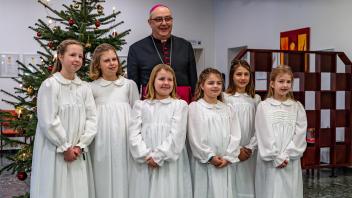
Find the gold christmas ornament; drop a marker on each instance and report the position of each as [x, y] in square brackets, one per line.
[100, 9]
[76, 6]
[30, 90]
[88, 45]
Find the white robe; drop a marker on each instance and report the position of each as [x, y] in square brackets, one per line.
[66, 118]
[281, 134]
[114, 101]
[158, 130]
[213, 130]
[245, 107]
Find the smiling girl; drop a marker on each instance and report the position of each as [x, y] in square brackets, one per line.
[281, 125]
[214, 135]
[157, 134]
[114, 97]
[240, 95]
[66, 126]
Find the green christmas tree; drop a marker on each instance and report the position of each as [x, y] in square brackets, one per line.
[83, 20]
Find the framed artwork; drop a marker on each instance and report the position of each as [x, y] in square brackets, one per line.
[295, 40]
[32, 59]
[8, 65]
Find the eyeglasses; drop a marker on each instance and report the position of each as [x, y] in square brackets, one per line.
[167, 19]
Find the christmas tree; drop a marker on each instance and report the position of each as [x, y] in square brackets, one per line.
[83, 20]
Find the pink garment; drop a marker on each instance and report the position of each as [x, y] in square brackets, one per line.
[156, 6]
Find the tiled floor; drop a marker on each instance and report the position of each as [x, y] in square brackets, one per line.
[9, 184]
[324, 187]
[327, 186]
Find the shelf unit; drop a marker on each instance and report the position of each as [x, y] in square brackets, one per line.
[319, 91]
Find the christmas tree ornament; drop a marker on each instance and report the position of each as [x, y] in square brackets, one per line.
[88, 45]
[50, 44]
[56, 28]
[30, 90]
[76, 6]
[39, 34]
[71, 21]
[22, 175]
[50, 68]
[22, 157]
[97, 23]
[114, 34]
[100, 9]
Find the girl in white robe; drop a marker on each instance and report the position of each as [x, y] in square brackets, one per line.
[240, 95]
[280, 125]
[214, 135]
[61, 165]
[114, 96]
[157, 134]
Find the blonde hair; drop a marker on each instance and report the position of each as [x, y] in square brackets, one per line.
[275, 72]
[199, 93]
[150, 86]
[61, 49]
[94, 68]
[232, 88]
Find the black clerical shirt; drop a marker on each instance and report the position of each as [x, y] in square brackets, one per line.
[142, 57]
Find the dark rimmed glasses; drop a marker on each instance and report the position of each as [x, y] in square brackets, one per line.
[167, 19]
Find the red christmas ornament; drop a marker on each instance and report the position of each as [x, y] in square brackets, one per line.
[50, 44]
[114, 34]
[97, 23]
[50, 68]
[39, 34]
[71, 22]
[22, 175]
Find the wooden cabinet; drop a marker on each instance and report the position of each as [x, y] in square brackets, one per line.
[324, 88]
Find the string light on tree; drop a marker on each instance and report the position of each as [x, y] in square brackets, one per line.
[19, 111]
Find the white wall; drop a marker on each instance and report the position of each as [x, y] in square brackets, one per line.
[219, 24]
[258, 23]
[193, 20]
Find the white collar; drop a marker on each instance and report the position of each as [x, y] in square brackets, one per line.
[218, 105]
[119, 82]
[240, 94]
[59, 77]
[163, 101]
[274, 102]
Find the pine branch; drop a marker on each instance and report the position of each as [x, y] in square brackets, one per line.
[43, 45]
[55, 19]
[7, 167]
[17, 80]
[104, 31]
[12, 141]
[10, 94]
[110, 16]
[60, 14]
[9, 102]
